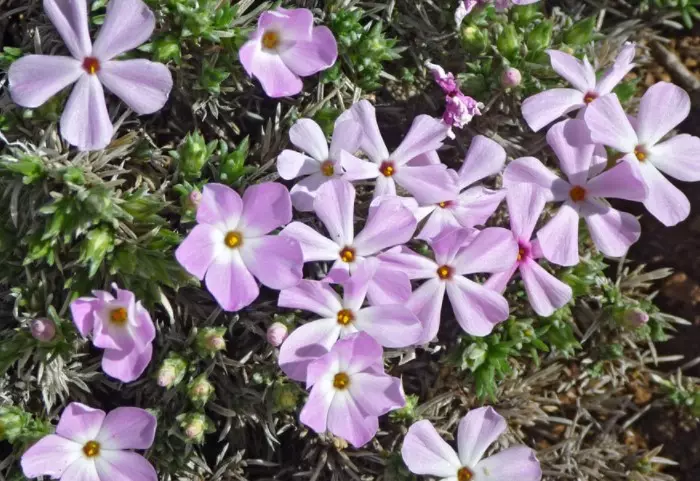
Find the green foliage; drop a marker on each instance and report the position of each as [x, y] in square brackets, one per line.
[688, 10]
[20, 427]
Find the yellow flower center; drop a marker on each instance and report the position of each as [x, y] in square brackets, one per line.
[444, 272]
[118, 316]
[444, 204]
[345, 317]
[589, 97]
[233, 239]
[91, 65]
[464, 474]
[347, 254]
[577, 193]
[521, 254]
[327, 168]
[271, 39]
[341, 381]
[387, 168]
[640, 153]
[91, 449]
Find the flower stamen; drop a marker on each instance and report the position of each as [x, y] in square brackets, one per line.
[233, 239]
[345, 317]
[271, 39]
[444, 272]
[465, 474]
[347, 254]
[341, 381]
[387, 168]
[577, 193]
[118, 316]
[589, 97]
[640, 153]
[91, 65]
[445, 204]
[327, 168]
[91, 449]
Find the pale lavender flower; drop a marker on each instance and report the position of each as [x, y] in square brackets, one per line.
[143, 85]
[391, 325]
[90, 445]
[426, 182]
[458, 253]
[319, 163]
[121, 326]
[545, 292]
[426, 453]
[230, 246]
[43, 329]
[584, 164]
[285, 47]
[546, 107]
[349, 390]
[661, 109]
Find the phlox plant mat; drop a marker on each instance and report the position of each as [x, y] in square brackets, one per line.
[338, 240]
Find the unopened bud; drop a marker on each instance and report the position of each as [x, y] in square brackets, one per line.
[511, 77]
[277, 333]
[194, 198]
[286, 397]
[43, 329]
[171, 371]
[194, 426]
[508, 42]
[200, 390]
[210, 340]
[635, 317]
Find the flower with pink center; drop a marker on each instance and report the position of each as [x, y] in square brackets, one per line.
[545, 292]
[459, 108]
[230, 247]
[391, 325]
[427, 183]
[320, 163]
[389, 223]
[285, 47]
[589, 183]
[349, 390]
[426, 453]
[121, 326]
[143, 85]
[546, 107]
[465, 7]
[446, 80]
[661, 109]
[475, 204]
[90, 445]
[458, 253]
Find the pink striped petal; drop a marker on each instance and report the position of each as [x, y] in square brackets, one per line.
[85, 121]
[678, 157]
[124, 466]
[478, 309]
[426, 304]
[493, 250]
[34, 79]
[334, 206]
[425, 452]
[346, 420]
[545, 292]
[127, 24]
[71, 20]
[306, 344]
[559, 237]
[306, 58]
[221, 206]
[388, 225]
[275, 261]
[308, 136]
[314, 246]
[388, 286]
[83, 314]
[529, 170]
[478, 430]
[143, 85]
[231, 283]
[579, 74]
[126, 365]
[609, 124]
[198, 250]
[429, 184]
[623, 181]
[80, 423]
[127, 428]
[485, 157]
[50, 456]
[292, 164]
[314, 296]
[499, 281]
[544, 108]
[303, 193]
[390, 325]
[570, 140]
[612, 231]
[372, 142]
[517, 463]
[665, 201]
[525, 205]
[425, 135]
[376, 394]
[663, 106]
[266, 207]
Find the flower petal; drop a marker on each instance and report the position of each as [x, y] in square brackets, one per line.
[425, 452]
[292, 23]
[499, 281]
[612, 231]
[609, 124]
[388, 286]
[622, 66]
[220, 205]
[529, 170]
[384, 187]
[315, 412]
[492, 250]
[313, 296]
[81, 469]
[678, 157]
[559, 237]
[307, 58]
[266, 207]
[440, 221]
[34, 79]
[71, 20]
[478, 309]
[426, 134]
[314, 246]
[663, 106]
[376, 394]
[545, 292]
[126, 365]
[357, 169]
[346, 420]
[517, 463]
[276, 261]
[231, 283]
[308, 136]
[303, 193]
[372, 142]
[50, 456]
[571, 142]
[127, 428]
[334, 206]
[124, 466]
[276, 78]
[305, 344]
[347, 136]
[525, 205]
[85, 121]
[388, 225]
[449, 244]
[429, 184]
[476, 205]
[579, 74]
[544, 108]
[198, 250]
[143, 85]
[485, 157]
[426, 304]
[83, 314]
[478, 430]
[127, 24]
[80, 423]
[358, 353]
[623, 181]
[390, 325]
[292, 164]
[403, 259]
[665, 201]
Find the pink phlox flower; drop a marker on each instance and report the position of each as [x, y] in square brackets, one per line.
[388, 224]
[465, 7]
[426, 453]
[589, 183]
[319, 164]
[446, 80]
[230, 247]
[545, 292]
[458, 253]
[90, 445]
[391, 325]
[143, 85]
[349, 390]
[424, 180]
[285, 47]
[475, 204]
[543, 108]
[661, 109]
[460, 109]
[121, 326]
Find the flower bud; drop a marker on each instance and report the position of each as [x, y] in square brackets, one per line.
[194, 199]
[511, 77]
[508, 42]
[473, 39]
[210, 340]
[12, 422]
[581, 32]
[194, 426]
[285, 397]
[277, 333]
[200, 390]
[635, 317]
[540, 37]
[171, 371]
[193, 154]
[43, 329]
